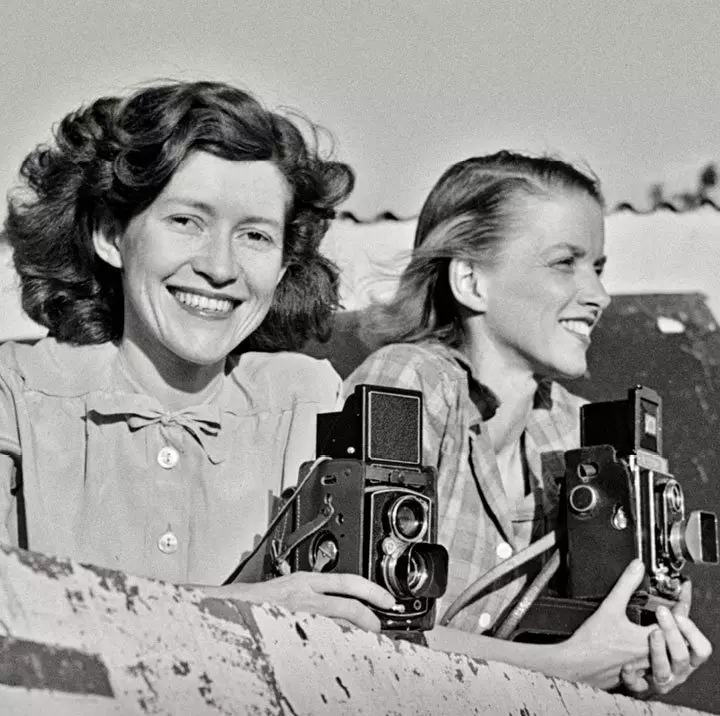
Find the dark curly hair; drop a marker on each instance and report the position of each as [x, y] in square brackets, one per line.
[110, 160]
[466, 216]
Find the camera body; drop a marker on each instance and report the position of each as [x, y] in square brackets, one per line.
[371, 509]
[621, 503]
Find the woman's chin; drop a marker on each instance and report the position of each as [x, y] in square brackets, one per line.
[201, 360]
[198, 356]
[564, 371]
[573, 373]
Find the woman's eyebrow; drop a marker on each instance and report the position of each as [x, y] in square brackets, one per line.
[190, 203]
[574, 249]
[259, 219]
[577, 252]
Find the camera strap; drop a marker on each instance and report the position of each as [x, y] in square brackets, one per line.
[276, 520]
[281, 551]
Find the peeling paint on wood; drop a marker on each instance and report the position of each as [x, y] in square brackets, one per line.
[165, 649]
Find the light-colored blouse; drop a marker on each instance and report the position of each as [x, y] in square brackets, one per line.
[111, 478]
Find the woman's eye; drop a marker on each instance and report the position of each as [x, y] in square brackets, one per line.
[185, 223]
[566, 263]
[253, 236]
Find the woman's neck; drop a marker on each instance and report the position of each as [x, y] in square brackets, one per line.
[174, 383]
[515, 387]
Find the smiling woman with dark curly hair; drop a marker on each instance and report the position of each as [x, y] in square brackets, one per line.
[111, 160]
[169, 241]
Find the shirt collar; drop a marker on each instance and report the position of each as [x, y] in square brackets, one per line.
[485, 399]
[139, 411]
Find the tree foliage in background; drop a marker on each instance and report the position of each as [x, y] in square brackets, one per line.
[688, 199]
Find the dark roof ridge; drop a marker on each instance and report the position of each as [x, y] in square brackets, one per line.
[616, 209]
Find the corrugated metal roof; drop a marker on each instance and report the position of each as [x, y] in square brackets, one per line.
[677, 206]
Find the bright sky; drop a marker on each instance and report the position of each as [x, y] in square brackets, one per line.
[406, 86]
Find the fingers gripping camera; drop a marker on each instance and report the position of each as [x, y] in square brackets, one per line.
[371, 509]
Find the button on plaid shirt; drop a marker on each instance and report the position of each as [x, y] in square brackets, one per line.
[477, 524]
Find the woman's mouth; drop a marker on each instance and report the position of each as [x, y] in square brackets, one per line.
[202, 305]
[578, 328]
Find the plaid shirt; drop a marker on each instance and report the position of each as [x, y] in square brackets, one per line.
[477, 523]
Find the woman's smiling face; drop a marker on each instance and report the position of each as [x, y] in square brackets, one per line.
[201, 264]
[544, 292]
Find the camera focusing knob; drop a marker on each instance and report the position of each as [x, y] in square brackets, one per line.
[326, 555]
[390, 546]
[583, 499]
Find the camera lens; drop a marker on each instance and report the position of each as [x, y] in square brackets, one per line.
[418, 571]
[408, 518]
[583, 499]
[697, 540]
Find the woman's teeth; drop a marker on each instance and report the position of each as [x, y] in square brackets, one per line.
[579, 327]
[194, 300]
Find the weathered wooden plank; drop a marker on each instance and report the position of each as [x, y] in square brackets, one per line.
[82, 640]
[164, 647]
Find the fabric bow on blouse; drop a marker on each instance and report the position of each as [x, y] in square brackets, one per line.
[140, 411]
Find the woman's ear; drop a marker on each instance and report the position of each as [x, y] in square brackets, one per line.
[107, 248]
[468, 284]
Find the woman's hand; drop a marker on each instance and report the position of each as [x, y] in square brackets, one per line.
[608, 641]
[338, 596]
[677, 648]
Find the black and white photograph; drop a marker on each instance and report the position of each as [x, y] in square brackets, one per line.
[359, 357]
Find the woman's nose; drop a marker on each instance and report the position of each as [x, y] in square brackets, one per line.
[217, 260]
[594, 292]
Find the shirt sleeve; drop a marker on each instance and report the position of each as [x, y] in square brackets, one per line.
[323, 390]
[411, 367]
[335, 389]
[9, 458]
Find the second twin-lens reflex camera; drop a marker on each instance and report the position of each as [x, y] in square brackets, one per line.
[621, 502]
[371, 508]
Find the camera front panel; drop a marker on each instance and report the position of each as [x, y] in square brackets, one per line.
[382, 526]
[663, 505]
[400, 538]
[674, 538]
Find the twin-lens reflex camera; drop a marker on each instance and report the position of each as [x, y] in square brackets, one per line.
[371, 508]
[620, 502]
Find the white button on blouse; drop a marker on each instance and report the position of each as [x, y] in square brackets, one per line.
[504, 550]
[168, 457]
[484, 620]
[168, 543]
